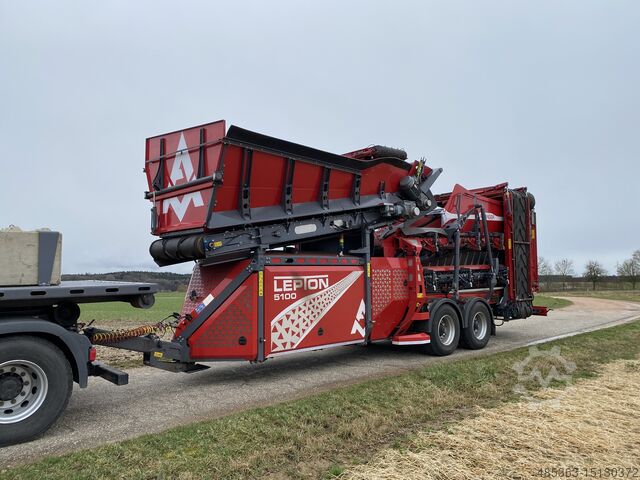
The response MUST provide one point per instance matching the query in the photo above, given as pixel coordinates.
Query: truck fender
(469, 305)
(75, 346)
(433, 306)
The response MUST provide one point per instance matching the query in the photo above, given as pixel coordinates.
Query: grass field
(551, 302)
(626, 295)
(317, 436)
(103, 313)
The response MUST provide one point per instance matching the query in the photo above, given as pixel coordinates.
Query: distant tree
(564, 268)
(594, 271)
(544, 267)
(629, 270)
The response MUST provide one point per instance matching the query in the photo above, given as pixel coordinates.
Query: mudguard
(75, 346)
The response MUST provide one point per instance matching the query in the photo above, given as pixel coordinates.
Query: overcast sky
(540, 93)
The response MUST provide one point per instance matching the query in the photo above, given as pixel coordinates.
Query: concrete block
(30, 257)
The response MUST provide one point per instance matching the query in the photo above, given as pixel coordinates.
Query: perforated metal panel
(233, 321)
(380, 290)
(387, 285)
(389, 294)
(400, 291)
(203, 281)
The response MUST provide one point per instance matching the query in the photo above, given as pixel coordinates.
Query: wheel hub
(10, 385)
(23, 389)
(446, 329)
(479, 325)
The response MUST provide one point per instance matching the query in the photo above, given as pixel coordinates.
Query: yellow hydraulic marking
(509, 244)
(217, 244)
(260, 283)
(368, 269)
(158, 354)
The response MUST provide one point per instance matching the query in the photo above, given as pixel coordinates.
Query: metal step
(109, 373)
(173, 366)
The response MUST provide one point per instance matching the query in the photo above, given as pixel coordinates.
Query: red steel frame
(295, 302)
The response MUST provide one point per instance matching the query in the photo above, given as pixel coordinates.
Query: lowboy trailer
(294, 249)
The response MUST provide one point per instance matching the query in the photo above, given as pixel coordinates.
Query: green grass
(551, 302)
(166, 304)
(319, 435)
(626, 295)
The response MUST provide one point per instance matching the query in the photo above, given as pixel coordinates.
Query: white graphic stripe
(291, 326)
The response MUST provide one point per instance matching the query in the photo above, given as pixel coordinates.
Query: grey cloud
(542, 94)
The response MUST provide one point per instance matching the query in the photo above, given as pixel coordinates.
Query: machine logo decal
(357, 327)
(285, 287)
(293, 324)
(182, 172)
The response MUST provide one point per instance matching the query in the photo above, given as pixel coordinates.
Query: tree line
(167, 281)
(628, 270)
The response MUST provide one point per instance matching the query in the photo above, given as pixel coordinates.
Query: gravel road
(155, 400)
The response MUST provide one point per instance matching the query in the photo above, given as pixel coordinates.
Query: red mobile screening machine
(298, 249)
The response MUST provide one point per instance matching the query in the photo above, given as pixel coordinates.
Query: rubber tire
(60, 379)
(436, 347)
(468, 338)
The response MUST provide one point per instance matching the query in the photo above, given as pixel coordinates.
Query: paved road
(155, 400)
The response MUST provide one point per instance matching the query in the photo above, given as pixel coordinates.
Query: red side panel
(200, 179)
(341, 184)
(183, 159)
(373, 177)
(267, 177)
(209, 280)
(306, 179)
(232, 330)
(389, 294)
(311, 306)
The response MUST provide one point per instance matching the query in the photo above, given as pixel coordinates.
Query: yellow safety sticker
(260, 283)
(217, 244)
(509, 244)
(158, 354)
(368, 269)
(533, 234)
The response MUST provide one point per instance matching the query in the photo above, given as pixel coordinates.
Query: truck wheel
(445, 331)
(35, 386)
(478, 330)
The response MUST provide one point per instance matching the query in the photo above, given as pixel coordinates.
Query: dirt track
(155, 400)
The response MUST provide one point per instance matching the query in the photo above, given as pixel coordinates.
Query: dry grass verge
(584, 429)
